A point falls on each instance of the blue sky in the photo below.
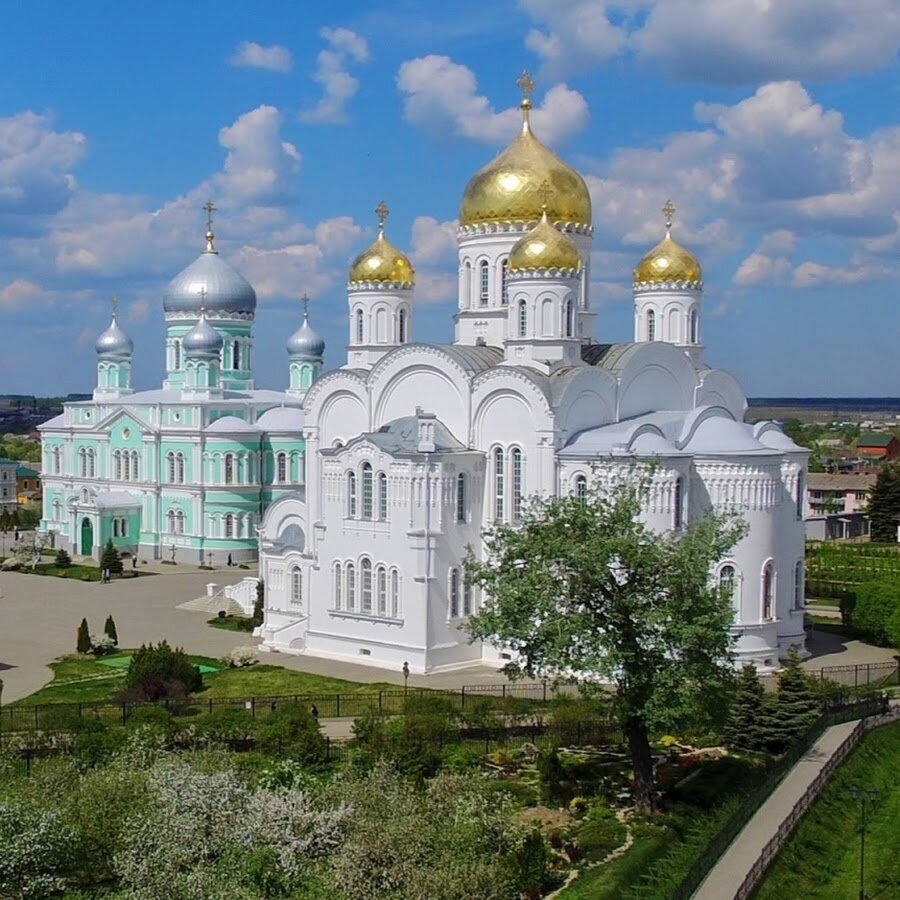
(772, 125)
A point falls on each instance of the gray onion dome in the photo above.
(210, 282)
(114, 341)
(306, 341)
(202, 338)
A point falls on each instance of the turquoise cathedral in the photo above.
(187, 471)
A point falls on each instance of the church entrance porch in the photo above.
(87, 537)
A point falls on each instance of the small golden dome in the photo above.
(544, 247)
(382, 261)
(511, 187)
(668, 260)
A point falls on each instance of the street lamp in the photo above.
(405, 680)
(859, 794)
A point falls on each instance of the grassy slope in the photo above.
(101, 683)
(821, 860)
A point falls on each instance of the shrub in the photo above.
(83, 640)
(600, 833)
(63, 560)
(292, 730)
(111, 559)
(259, 604)
(241, 657)
(102, 645)
(159, 672)
(461, 758)
(876, 603)
(109, 629)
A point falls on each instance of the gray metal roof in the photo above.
(114, 341)
(225, 288)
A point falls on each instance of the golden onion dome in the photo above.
(514, 186)
(544, 247)
(668, 260)
(382, 261)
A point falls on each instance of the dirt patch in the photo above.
(545, 818)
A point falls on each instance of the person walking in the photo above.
(229, 560)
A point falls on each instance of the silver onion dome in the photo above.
(306, 341)
(114, 341)
(210, 282)
(202, 339)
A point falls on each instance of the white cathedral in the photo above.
(412, 450)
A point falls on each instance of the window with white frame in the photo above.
(801, 490)
(678, 503)
(365, 568)
(461, 497)
(229, 525)
(581, 488)
(798, 584)
(768, 591)
(229, 468)
(351, 587)
(517, 479)
(117, 465)
(523, 319)
(296, 586)
(179, 468)
(395, 594)
(401, 327)
(727, 577)
(338, 585)
(236, 355)
(351, 494)
(382, 496)
(91, 461)
(281, 468)
(82, 462)
(359, 326)
(651, 325)
(170, 467)
(695, 336)
(569, 317)
(176, 354)
(484, 288)
(381, 587)
(504, 284)
(367, 488)
(499, 485)
(467, 598)
(454, 593)
(57, 460)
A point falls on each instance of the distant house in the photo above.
(836, 504)
(8, 482)
(28, 484)
(877, 445)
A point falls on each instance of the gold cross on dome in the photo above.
(382, 212)
(545, 192)
(210, 208)
(526, 84)
(668, 212)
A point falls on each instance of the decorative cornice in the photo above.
(211, 315)
(518, 227)
(380, 285)
(524, 274)
(644, 286)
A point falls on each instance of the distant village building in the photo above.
(8, 482)
(878, 446)
(836, 505)
(28, 484)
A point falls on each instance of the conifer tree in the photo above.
(63, 560)
(259, 605)
(795, 708)
(111, 559)
(109, 629)
(743, 731)
(83, 642)
(884, 504)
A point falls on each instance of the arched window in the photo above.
(726, 580)
(504, 286)
(461, 497)
(170, 467)
(401, 327)
(57, 511)
(179, 468)
(395, 594)
(569, 315)
(695, 337)
(366, 571)
(467, 285)
(229, 525)
(338, 585)
(57, 461)
(499, 486)
(359, 326)
(351, 587)
(523, 319)
(229, 468)
(798, 584)
(367, 491)
(382, 497)
(236, 355)
(454, 593)
(651, 325)
(126, 466)
(484, 289)
(170, 521)
(768, 591)
(176, 354)
(381, 583)
(281, 468)
(467, 598)
(135, 473)
(117, 465)
(92, 463)
(82, 462)
(678, 503)
(115, 524)
(351, 494)
(517, 477)
(581, 488)
(179, 521)
(296, 586)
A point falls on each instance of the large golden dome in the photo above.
(668, 260)
(514, 186)
(544, 247)
(382, 261)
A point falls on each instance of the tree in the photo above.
(160, 671)
(111, 559)
(874, 606)
(5, 521)
(83, 641)
(884, 504)
(109, 629)
(63, 560)
(585, 587)
(747, 712)
(795, 708)
(259, 604)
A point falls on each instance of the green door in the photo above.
(87, 537)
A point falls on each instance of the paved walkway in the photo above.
(39, 618)
(732, 868)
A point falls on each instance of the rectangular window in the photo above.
(499, 486)
(229, 469)
(484, 294)
(367, 492)
(461, 498)
(395, 594)
(517, 485)
(382, 497)
(382, 592)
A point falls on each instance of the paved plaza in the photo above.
(39, 616)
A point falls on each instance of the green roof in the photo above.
(880, 439)
(26, 472)
(9, 462)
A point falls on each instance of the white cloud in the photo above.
(260, 166)
(442, 100)
(723, 41)
(337, 236)
(813, 274)
(778, 242)
(433, 242)
(137, 311)
(435, 287)
(758, 268)
(250, 55)
(21, 292)
(338, 85)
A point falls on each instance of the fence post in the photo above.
(253, 707)
(327, 748)
(545, 690)
(868, 674)
(337, 710)
(462, 697)
(504, 692)
(379, 703)
(124, 714)
(856, 676)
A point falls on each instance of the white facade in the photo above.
(412, 450)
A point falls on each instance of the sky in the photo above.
(773, 125)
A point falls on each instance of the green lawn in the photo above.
(232, 623)
(821, 860)
(84, 679)
(77, 572)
